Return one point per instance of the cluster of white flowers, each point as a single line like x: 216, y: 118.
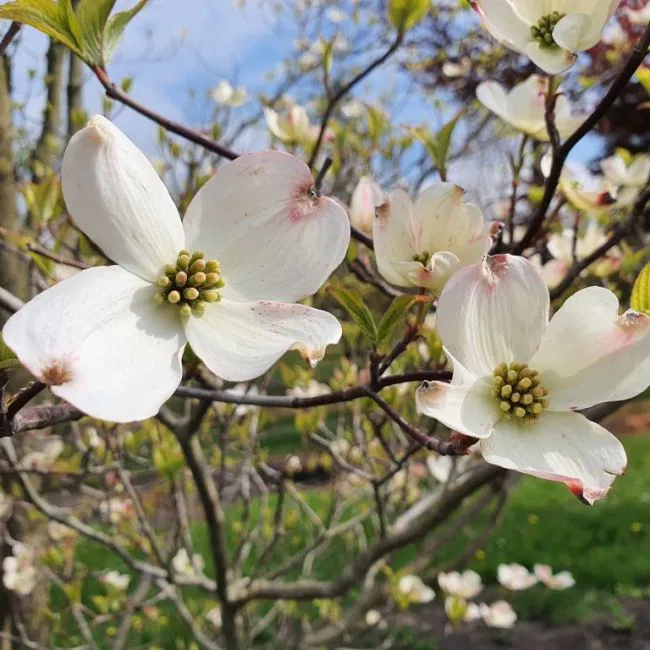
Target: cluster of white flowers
x: 414, y: 589
x: 517, y: 577
x: 228, y: 277
x: 459, y: 588
x: 18, y: 570
x: 116, y: 580
x: 186, y: 566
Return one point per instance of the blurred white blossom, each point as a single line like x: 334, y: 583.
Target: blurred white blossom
x: 499, y: 614
x: 515, y: 577
x: 559, y: 581
x: 19, y: 572
x: 416, y: 591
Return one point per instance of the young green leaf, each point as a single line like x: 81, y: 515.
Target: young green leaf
x: 392, y: 317
x: 640, y: 300
x: 405, y: 14
x: 357, y: 309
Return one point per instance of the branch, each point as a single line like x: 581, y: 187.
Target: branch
x: 114, y: 92
x: 215, y: 519
x: 12, y: 32
x: 356, y: 568
x: 10, y: 302
x: 620, y: 231
x: 333, y: 102
x: 633, y: 63
x: 443, y: 447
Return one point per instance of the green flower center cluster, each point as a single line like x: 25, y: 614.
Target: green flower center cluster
x: 190, y: 283
x: 543, y: 31
x: 519, y: 391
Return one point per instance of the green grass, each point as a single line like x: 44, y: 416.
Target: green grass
x: 604, y: 546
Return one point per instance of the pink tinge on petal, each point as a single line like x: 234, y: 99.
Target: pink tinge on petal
x: 588, y: 495
x: 306, y: 202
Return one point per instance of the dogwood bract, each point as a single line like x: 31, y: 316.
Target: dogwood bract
x: 560, y: 581
x: 464, y: 585
x: 519, y: 379
x: 110, y: 339
x: 628, y: 180
x: 524, y: 107
x: 424, y: 244
x: 515, y: 577
x: 366, y: 196
x: 549, y: 32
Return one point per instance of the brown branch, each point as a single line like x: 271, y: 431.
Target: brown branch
x: 304, y: 589
x: 443, y: 447
x: 344, y: 90
x: 215, y: 519
x: 114, y: 92
x: 636, y: 59
x: 12, y: 32
x: 619, y: 232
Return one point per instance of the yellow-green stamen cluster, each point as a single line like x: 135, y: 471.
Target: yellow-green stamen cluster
x: 190, y: 283
x: 519, y: 391
x: 543, y: 31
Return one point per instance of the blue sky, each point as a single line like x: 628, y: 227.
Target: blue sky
x: 176, y: 46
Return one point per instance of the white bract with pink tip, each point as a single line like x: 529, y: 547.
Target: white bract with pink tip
x: 524, y: 107
x: 519, y: 379
x: 423, y: 244
x: 549, y: 32
x: 255, y: 239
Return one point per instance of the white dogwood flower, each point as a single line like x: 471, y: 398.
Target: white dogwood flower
x: 110, y: 339
x: 423, y: 244
x: 186, y: 566
x: 19, y: 572
x: 116, y: 580
x: 560, y: 581
x: 549, y: 32
x: 224, y: 93
x: 515, y: 577
x: 524, y: 107
x: 519, y: 380
x: 464, y: 585
x: 628, y: 180
x: 499, y: 614
x: 291, y: 126
x: 412, y: 587
x: 366, y: 196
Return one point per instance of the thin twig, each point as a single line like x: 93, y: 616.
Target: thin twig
x: 114, y: 92
x: 13, y: 30
x: 344, y: 90
x: 636, y: 59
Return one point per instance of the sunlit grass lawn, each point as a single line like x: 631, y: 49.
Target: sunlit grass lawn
x: 604, y: 546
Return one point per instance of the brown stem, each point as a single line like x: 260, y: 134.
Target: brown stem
x: 344, y: 90
x: 13, y: 30
x: 636, y: 59
x: 114, y: 92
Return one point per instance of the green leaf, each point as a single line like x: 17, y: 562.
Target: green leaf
x: 640, y: 300
x: 438, y: 145
x: 444, y: 141
x: 92, y: 16
x: 643, y: 75
x: 393, y: 315
x: 47, y: 16
x: 115, y: 27
x: 7, y: 358
x: 357, y: 309
x: 405, y: 14
x: 90, y: 32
